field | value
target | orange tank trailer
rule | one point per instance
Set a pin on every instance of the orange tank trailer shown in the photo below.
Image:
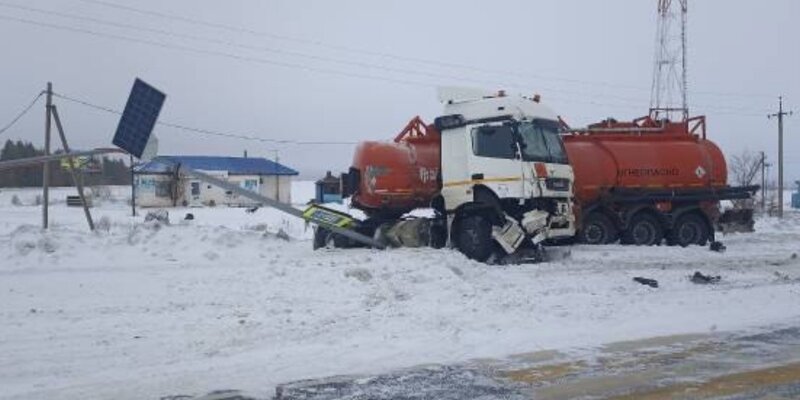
(644, 181)
(399, 176)
(643, 154)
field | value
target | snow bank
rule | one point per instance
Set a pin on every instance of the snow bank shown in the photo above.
(143, 310)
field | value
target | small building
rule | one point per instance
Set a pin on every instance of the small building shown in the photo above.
(328, 189)
(156, 183)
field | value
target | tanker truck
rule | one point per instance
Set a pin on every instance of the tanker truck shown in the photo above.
(492, 168)
(504, 175)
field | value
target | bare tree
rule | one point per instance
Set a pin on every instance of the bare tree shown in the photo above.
(742, 171)
(744, 167)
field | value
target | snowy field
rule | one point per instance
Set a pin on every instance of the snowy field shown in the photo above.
(141, 310)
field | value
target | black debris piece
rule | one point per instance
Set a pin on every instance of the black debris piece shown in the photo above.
(189, 216)
(704, 279)
(283, 235)
(251, 210)
(717, 246)
(157, 215)
(646, 281)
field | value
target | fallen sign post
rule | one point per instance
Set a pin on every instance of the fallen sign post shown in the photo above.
(364, 239)
(22, 162)
(134, 135)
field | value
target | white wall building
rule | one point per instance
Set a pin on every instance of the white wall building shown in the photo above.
(156, 184)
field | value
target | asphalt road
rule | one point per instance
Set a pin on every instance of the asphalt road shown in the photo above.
(760, 365)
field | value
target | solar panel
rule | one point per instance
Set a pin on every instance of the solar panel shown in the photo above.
(138, 118)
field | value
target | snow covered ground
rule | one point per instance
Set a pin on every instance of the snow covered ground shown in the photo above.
(141, 310)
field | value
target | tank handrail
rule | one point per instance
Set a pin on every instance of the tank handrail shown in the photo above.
(416, 128)
(692, 126)
(699, 124)
(589, 130)
(641, 126)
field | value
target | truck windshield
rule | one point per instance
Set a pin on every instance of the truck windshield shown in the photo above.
(540, 141)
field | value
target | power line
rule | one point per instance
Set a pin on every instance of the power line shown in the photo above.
(630, 102)
(391, 56)
(212, 52)
(254, 59)
(215, 41)
(306, 55)
(201, 130)
(21, 114)
(349, 49)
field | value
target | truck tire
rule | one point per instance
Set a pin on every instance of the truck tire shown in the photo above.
(643, 230)
(474, 237)
(689, 229)
(598, 229)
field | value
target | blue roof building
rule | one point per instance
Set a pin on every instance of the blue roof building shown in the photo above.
(158, 186)
(233, 165)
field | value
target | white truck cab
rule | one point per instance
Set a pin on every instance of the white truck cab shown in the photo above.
(503, 163)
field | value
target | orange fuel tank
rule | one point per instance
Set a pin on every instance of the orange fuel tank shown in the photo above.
(643, 154)
(396, 177)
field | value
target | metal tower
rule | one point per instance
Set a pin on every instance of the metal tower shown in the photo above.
(668, 92)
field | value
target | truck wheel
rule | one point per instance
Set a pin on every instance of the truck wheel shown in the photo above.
(644, 230)
(598, 229)
(474, 238)
(689, 229)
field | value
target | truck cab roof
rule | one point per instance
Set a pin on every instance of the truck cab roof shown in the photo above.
(478, 105)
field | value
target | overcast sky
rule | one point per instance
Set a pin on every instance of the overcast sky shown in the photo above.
(344, 71)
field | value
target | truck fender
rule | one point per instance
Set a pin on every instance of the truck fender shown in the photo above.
(486, 197)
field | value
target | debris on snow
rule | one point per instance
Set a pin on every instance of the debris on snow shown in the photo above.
(782, 276)
(646, 281)
(361, 274)
(717, 246)
(283, 235)
(701, 279)
(157, 215)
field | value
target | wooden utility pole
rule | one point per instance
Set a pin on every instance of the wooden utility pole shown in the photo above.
(780, 114)
(77, 177)
(763, 181)
(46, 165)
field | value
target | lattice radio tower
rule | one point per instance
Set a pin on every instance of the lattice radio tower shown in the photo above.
(668, 92)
